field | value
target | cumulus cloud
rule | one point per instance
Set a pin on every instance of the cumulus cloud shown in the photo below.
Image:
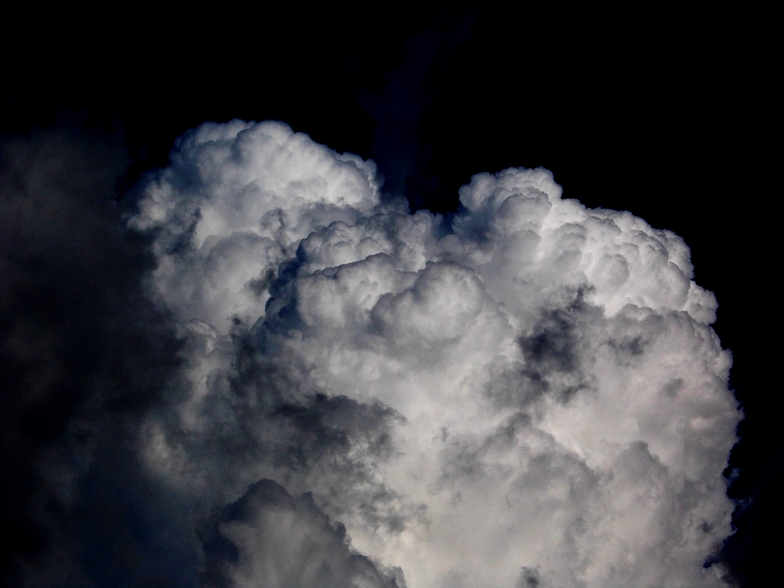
(318, 388)
(235, 203)
(527, 394)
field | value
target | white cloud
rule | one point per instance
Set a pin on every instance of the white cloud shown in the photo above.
(235, 202)
(530, 396)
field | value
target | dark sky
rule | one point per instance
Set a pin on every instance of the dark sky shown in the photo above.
(665, 114)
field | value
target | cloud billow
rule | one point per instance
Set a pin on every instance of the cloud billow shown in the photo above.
(526, 394)
(272, 374)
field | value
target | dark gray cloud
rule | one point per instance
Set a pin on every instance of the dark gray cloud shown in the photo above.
(529, 578)
(82, 351)
(261, 415)
(269, 539)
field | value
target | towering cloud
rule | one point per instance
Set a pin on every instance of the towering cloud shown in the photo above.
(527, 393)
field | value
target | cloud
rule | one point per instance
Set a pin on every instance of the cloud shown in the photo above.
(235, 202)
(269, 539)
(83, 352)
(527, 393)
(553, 397)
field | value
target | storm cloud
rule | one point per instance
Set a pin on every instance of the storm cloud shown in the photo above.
(331, 391)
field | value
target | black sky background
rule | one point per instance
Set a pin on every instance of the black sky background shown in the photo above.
(667, 114)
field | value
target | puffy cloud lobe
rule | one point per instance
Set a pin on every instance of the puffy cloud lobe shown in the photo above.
(236, 201)
(250, 417)
(518, 224)
(527, 395)
(269, 539)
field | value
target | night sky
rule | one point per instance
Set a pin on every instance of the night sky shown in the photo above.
(667, 115)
